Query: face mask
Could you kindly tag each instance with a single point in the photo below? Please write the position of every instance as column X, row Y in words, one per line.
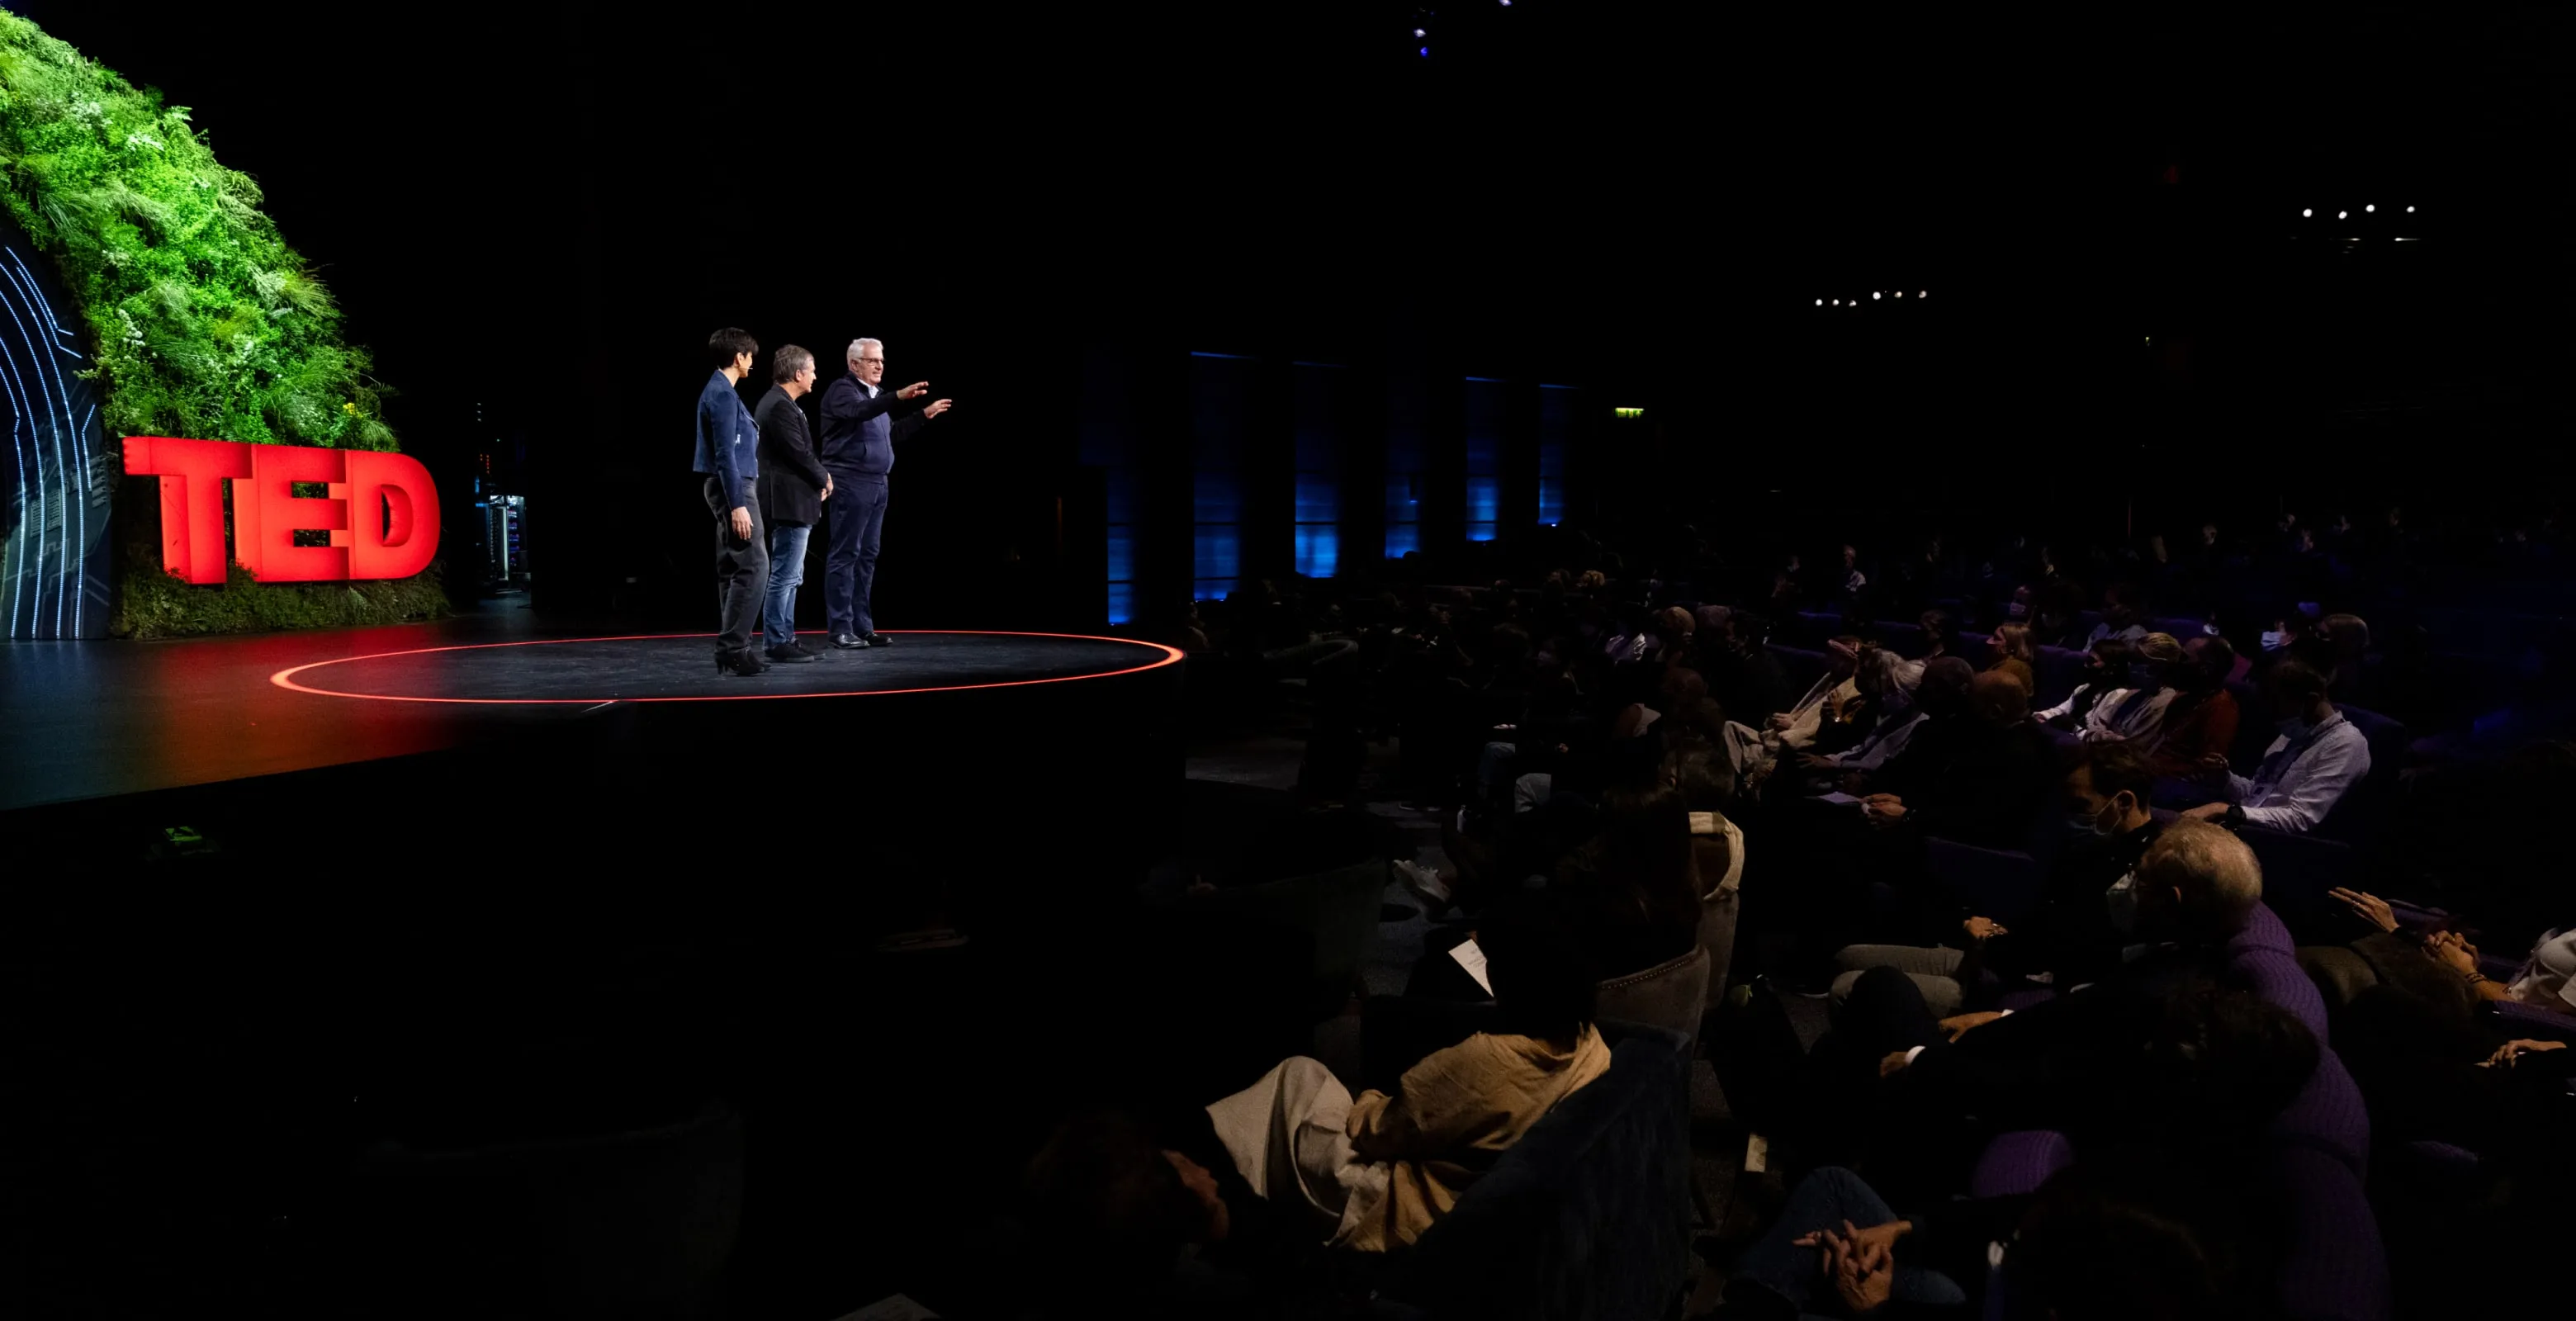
column 2275, row 641
column 2122, row 902
column 2017, row 610
column 2293, row 728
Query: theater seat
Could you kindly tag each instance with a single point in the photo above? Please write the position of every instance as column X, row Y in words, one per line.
column 2059, row 670
column 1589, row 1216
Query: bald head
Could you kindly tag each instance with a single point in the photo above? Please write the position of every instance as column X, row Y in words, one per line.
column 2208, row 874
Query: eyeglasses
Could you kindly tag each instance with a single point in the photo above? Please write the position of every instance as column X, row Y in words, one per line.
column 871, row 362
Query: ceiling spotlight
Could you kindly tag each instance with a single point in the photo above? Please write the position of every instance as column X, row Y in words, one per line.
column 2304, row 212
column 1426, row 52
column 1900, row 293
column 2372, row 207
column 2340, row 215
column 2410, row 210
column 1873, row 297
column 1838, row 302
column 1820, row 302
column 1418, row 34
column 1920, row 294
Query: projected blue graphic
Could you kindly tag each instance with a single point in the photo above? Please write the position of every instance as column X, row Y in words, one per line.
column 53, row 547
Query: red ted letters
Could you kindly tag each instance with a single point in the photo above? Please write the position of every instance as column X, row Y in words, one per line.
column 393, row 535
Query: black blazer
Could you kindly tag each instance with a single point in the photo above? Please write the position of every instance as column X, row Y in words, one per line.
column 791, row 478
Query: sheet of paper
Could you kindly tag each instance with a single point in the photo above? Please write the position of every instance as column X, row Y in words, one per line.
column 894, row 1308
column 1836, row 798
column 1471, row 957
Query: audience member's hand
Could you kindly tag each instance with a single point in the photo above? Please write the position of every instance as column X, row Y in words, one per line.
column 1863, row 1277
column 2513, row 1050
column 2368, row 907
column 1883, row 810
column 2206, row 812
column 1983, row 929
column 1779, row 722
column 1813, row 761
column 2453, row 951
column 1960, row 1025
column 1876, row 1235
column 1892, row 1063
column 2214, row 765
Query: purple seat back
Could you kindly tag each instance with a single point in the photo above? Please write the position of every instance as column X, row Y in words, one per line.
column 2333, row 1266
column 2019, row 1162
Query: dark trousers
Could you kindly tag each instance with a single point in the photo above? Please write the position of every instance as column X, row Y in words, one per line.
column 742, row 573
column 857, row 509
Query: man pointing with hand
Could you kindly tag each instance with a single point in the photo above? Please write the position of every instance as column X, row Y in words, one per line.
column 861, row 421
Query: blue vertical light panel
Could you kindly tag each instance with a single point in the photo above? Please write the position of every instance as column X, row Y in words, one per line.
column 1484, row 408
column 1220, row 413
column 1556, row 405
column 1319, row 465
column 53, row 552
column 1108, row 443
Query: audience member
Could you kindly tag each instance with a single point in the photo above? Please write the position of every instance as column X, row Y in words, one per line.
column 1833, row 709
column 2200, row 720
column 2119, row 616
column 2138, row 713
column 2010, row 653
column 2107, row 670
column 2318, row 756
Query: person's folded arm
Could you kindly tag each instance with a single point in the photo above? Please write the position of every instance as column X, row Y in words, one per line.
column 1434, row 1110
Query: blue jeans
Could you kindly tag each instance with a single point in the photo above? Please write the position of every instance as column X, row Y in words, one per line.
column 857, row 509
column 786, row 570
column 1824, row 1200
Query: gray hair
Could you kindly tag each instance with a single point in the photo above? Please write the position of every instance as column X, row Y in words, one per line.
column 787, row 362
column 2216, row 873
column 861, row 343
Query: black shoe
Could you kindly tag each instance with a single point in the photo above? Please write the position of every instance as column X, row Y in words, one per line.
column 879, row 640
column 849, row 642
column 739, row 663
column 799, row 646
column 793, row 655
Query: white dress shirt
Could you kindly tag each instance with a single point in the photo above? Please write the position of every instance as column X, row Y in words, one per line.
column 2302, row 777
column 2130, row 713
column 2550, row 977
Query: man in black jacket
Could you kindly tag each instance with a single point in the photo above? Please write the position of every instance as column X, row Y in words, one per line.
column 793, row 487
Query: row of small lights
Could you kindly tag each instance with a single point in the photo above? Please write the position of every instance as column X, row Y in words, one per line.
column 1873, row 298
column 2307, row 211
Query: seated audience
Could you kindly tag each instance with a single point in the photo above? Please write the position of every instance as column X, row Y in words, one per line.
column 2009, row 652
column 2136, row 715
column 2201, row 718
column 2119, row 616
column 2086, row 916
column 1833, row 710
column 2106, row 671
column 1979, row 776
column 1893, row 687
column 1940, row 634
column 2317, row 758
column 1296, row 1160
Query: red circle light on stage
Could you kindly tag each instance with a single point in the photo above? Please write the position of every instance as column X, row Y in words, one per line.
column 286, row 678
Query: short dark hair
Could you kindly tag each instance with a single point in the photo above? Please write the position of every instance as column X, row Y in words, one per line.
column 2114, row 765
column 786, row 362
column 730, row 343
column 2296, row 678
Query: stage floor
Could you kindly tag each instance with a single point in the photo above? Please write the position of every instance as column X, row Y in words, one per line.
column 82, row 720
